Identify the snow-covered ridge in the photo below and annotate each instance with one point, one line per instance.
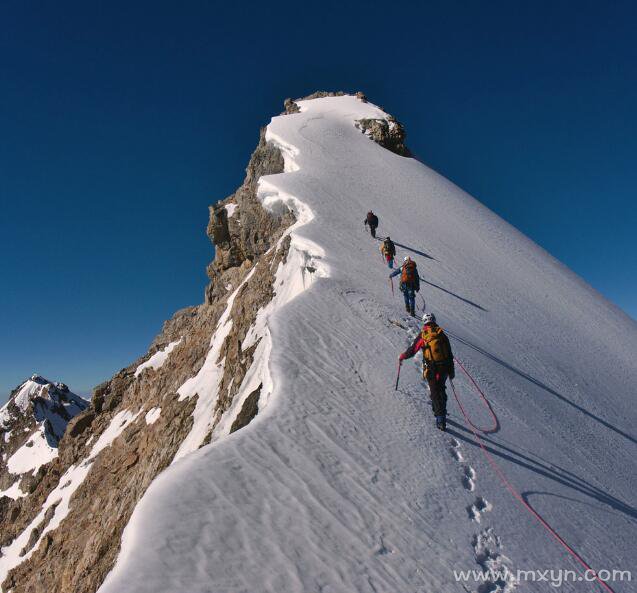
(301, 267)
(342, 483)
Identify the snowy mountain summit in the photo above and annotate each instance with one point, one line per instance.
(261, 446)
(32, 423)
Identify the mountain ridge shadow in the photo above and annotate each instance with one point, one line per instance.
(547, 469)
(541, 385)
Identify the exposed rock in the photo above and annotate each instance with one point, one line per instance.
(254, 295)
(80, 423)
(252, 230)
(389, 133)
(290, 106)
(37, 531)
(249, 410)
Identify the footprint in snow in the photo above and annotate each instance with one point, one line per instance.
(475, 510)
(468, 480)
(383, 550)
(487, 548)
(455, 450)
(457, 455)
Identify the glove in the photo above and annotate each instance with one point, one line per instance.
(402, 357)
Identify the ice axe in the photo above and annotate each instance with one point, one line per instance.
(391, 283)
(400, 362)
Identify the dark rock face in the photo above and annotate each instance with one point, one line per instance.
(290, 107)
(220, 234)
(389, 133)
(80, 423)
(249, 410)
(251, 230)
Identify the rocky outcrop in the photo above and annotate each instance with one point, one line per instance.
(250, 230)
(249, 410)
(389, 133)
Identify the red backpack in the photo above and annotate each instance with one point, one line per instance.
(408, 275)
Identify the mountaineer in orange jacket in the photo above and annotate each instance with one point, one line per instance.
(409, 283)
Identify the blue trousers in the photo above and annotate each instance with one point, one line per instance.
(409, 294)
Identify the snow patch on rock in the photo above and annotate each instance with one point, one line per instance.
(13, 491)
(153, 415)
(158, 359)
(33, 454)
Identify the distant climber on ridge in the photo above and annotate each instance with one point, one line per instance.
(409, 283)
(437, 359)
(372, 220)
(388, 250)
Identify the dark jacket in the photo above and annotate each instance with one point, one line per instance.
(388, 247)
(371, 219)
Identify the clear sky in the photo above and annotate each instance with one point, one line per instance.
(120, 122)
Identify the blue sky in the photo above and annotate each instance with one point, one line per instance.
(122, 121)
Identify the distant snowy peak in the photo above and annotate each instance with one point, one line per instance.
(33, 422)
(44, 400)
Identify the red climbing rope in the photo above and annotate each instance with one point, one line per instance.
(494, 418)
(496, 468)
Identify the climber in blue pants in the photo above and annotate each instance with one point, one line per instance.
(409, 283)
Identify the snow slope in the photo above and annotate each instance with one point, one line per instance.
(342, 484)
